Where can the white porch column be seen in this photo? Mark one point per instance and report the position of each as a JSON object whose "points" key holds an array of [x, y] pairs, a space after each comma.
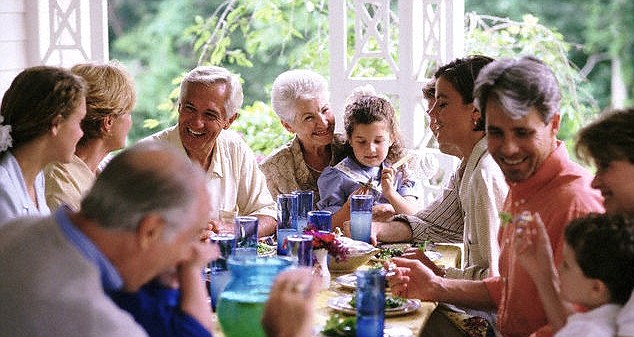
{"points": [[66, 32], [408, 37], [51, 32]]}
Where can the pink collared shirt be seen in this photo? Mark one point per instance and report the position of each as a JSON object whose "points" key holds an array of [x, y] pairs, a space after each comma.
{"points": [[559, 191]]}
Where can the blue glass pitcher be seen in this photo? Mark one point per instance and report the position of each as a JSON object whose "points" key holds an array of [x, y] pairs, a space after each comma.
{"points": [[241, 304]]}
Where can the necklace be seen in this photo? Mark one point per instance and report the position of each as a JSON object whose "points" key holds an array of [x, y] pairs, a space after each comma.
{"points": [[312, 168]]}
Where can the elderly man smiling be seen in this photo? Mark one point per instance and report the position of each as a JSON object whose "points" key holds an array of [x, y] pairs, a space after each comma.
{"points": [[520, 99], [210, 98]]}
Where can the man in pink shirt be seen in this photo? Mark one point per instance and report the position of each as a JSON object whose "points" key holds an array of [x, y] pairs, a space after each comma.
{"points": [[520, 99]]}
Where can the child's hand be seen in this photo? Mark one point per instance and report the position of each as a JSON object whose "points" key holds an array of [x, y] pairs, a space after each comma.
{"points": [[388, 175], [360, 191], [532, 247]]}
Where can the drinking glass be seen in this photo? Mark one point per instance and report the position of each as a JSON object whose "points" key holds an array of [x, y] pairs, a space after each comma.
{"points": [[370, 302], [321, 220], [286, 219], [304, 205], [219, 274], [246, 234], [300, 248], [361, 217]]}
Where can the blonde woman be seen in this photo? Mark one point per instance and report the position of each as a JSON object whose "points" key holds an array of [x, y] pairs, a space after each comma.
{"points": [[109, 101]]}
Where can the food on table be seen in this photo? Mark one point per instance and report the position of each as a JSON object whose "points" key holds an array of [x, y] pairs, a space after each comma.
{"points": [[391, 302], [340, 326], [266, 250]]}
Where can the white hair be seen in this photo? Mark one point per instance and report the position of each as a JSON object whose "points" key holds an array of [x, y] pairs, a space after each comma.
{"points": [[293, 85], [209, 75]]}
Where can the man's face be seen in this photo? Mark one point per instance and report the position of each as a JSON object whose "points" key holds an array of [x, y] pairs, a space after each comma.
{"points": [[519, 146], [181, 246], [202, 115], [616, 185]]}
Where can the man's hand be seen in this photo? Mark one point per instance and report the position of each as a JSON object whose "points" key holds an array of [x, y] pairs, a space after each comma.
{"points": [[412, 279], [220, 227], [289, 310], [419, 254]]}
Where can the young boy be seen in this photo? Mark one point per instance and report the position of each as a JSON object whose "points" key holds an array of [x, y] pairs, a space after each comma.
{"points": [[596, 271]]}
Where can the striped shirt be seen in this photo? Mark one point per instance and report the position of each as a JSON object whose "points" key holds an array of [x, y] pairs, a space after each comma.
{"points": [[442, 220]]}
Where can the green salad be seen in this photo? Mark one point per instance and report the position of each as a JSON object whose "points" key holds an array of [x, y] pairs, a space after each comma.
{"points": [[264, 249], [388, 253], [340, 326], [391, 302]]}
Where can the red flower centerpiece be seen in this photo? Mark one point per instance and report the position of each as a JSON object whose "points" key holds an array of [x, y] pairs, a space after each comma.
{"points": [[328, 241], [324, 244]]}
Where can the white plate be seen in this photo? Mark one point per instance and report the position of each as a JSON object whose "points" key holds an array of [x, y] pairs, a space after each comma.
{"points": [[433, 255], [348, 281], [342, 304]]}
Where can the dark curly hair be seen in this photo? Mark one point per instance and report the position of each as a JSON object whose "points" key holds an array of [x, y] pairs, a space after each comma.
{"points": [[367, 109], [603, 245]]}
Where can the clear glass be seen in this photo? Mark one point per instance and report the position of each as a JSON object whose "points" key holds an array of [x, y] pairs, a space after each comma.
{"points": [[304, 205], [321, 220], [246, 232], [300, 248], [361, 217], [218, 271]]}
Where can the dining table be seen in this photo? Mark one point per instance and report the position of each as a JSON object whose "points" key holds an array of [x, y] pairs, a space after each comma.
{"points": [[407, 324]]}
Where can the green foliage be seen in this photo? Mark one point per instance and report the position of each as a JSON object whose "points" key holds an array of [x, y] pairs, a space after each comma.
{"points": [[609, 30], [261, 128]]}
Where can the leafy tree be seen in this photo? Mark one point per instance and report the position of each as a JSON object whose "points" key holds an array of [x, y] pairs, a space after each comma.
{"points": [[597, 30]]}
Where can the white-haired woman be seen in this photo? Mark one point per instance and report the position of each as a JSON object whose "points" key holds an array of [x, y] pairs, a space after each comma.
{"points": [[300, 99]]}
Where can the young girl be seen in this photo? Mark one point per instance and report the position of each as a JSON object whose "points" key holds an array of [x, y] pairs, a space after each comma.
{"points": [[39, 124], [373, 137]]}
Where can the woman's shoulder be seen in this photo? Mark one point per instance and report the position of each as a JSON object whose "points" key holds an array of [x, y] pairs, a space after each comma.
{"points": [[340, 149], [280, 157]]}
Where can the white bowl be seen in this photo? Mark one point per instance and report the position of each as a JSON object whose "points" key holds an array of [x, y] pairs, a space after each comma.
{"points": [[359, 254]]}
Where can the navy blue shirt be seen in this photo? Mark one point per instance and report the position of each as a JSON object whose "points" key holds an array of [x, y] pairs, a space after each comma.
{"points": [[156, 308]]}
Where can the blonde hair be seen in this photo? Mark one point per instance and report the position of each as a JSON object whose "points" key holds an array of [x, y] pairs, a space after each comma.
{"points": [[111, 92]]}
